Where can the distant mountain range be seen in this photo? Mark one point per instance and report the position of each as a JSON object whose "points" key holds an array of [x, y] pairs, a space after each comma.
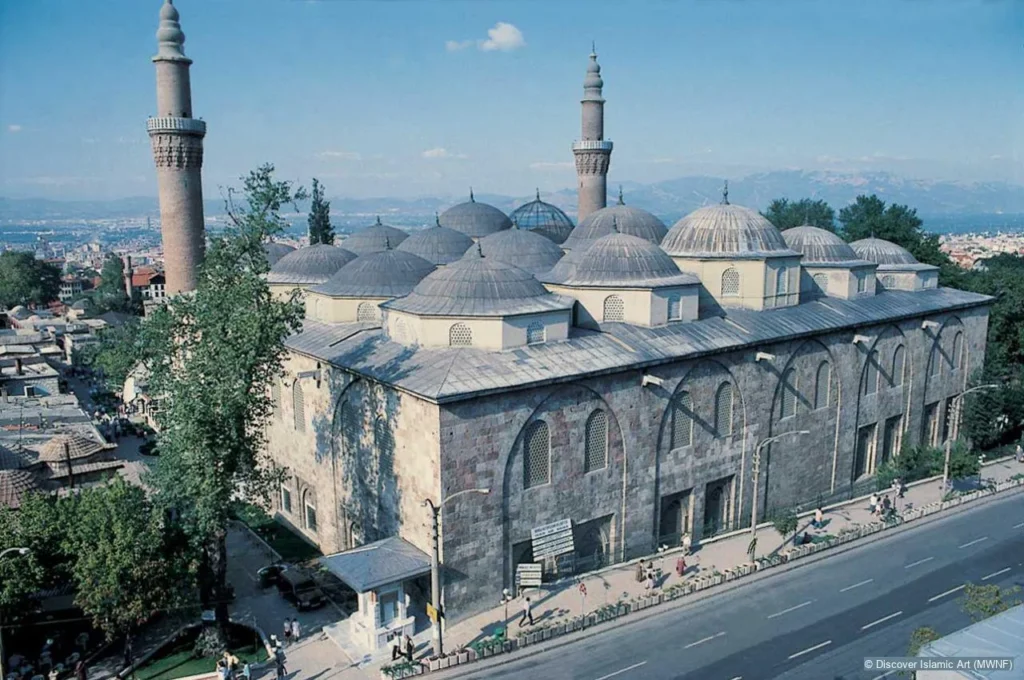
{"points": [[669, 199]]}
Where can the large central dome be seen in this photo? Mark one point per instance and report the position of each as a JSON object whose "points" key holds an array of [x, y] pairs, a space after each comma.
{"points": [[621, 218], [473, 219], [525, 249], [478, 286], [725, 231]]}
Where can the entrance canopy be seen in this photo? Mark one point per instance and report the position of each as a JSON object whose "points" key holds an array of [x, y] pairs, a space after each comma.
{"points": [[377, 564]]}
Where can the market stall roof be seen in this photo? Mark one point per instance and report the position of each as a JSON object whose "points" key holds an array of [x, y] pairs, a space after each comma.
{"points": [[377, 564]]}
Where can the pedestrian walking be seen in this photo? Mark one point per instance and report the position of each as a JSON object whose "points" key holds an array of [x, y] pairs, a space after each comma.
{"points": [[873, 503], [819, 517], [640, 571], [681, 565], [287, 630], [396, 648], [527, 613], [650, 579], [247, 671], [1019, 455], [279, 660], [296, 630], [687, 542], [410, 648]]}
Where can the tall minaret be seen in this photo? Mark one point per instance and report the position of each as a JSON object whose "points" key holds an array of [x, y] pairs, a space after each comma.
{"points": [[177, 140], [593, 153]]}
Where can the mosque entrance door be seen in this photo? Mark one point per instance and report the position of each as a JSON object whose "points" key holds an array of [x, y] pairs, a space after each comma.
{"points": [[717, 500], [593, 541], [865, 444]]}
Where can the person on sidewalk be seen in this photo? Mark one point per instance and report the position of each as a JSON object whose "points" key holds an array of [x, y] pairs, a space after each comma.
{"points": [[886, 506], [396, 648], [287, 630], [873, 507], [410, 648], [247, 671], [1019, 454], [296, 630], [640, 571], [650, 578], [527, 613], [687, 542], [279, 661], [819, 518]]}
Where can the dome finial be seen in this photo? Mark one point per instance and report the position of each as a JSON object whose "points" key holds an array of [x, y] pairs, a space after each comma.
{"points": [[725, 193], [471, 199], [593, 48], [621, 202], [538, 193], [378, 221], [615, 224], [169, 36], [479, 249], [515, 224], [437, 220], [387, 243]]}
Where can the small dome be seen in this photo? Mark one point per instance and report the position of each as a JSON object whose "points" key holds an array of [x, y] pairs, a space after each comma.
{"points": [[14, 485], [543, 218], [374, 239], [387, 274], [623, 260], [275, 251], [310, 265], [622, 218], [473, 219], [437, 245], [882, 252], [819, 245], [524, 249], [81, 305], [724, 230], [58, 448], [478, 285], [12, 459]]}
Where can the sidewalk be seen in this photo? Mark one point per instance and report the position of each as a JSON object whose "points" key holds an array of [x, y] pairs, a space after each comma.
{"points": [[559, 601]]}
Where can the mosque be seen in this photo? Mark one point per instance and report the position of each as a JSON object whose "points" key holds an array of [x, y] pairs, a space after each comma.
{"points": [[615, 378]]}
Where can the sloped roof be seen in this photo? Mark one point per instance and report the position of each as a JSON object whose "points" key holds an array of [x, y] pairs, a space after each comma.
{"points": [[310, 265], [385, 274], [377, 564], [79, 446], [14, 484], [725, 230], [374, 239], [525, 249], [13, 459], [437, 245]]}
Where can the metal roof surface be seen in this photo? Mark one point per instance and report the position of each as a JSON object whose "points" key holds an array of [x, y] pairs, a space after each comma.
{"points": [[374, 239], [522, 248], [437, 245], [387, 273], [621, 260], [1001, 636], [622, 218], [312, 264], [724, 230], [377, 564]]}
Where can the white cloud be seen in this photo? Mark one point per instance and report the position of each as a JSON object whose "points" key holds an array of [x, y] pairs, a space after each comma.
{"points": [[14, 128], [551, 165], [504, 37], [341, 155], [441, 152]]}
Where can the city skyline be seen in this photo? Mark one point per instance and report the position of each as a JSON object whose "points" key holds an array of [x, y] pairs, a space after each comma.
{"points": [[409, 98]]}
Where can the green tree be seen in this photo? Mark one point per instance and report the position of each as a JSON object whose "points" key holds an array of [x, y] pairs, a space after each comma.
{"points": [[981, 602], [963, 462], [116, 354], [785, 214], [213, 354], [129, 563], [786, 522], [24, 280], [320, 229]]}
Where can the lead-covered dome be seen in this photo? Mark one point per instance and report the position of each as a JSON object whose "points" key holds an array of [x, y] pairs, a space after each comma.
{"points": [[387, 274], [622, 261], [310, 265], [374, 239], [473, 219], [478, 285], [621, 218], [275, 251], [544, 219], [63, 446], [724, 230], [437, 245], [883, 252], [819, 245], [525, 249]]}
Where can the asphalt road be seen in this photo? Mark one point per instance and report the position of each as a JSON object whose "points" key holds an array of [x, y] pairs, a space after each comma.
{"points": [[815, 622]]}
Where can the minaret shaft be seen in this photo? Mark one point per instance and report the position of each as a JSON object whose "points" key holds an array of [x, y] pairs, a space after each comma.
{"points": [[593, 153]]}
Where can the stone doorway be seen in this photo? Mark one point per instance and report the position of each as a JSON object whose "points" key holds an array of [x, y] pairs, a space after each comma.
{"points": [[717, 507], [593, 541], [676, 518], [865, 451]]}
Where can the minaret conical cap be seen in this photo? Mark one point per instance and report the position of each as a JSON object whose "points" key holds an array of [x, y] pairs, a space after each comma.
{"points": [[170, 38]]}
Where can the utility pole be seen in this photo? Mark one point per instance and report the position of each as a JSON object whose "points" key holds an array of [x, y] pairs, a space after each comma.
{"points": [[757, 476], [954, 433]]}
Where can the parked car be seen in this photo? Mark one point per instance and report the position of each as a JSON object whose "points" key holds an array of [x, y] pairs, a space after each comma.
{"points": [[269, 575], [298, 587]]}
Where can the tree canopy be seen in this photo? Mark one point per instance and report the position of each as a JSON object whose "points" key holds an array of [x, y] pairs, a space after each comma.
{"points": [[786, 214], [112, 294], [25, 280], [320, 229]]}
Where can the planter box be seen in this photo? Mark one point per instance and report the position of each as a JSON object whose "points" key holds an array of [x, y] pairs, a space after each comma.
{"points": [[446, 662], [508, 646], [462, 657], [435, 664]]}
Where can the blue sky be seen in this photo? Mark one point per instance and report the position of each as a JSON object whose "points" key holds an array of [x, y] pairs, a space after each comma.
{"points": [[357, 92]]}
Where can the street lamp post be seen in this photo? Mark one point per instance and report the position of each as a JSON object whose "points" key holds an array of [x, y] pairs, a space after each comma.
{"points": [[757, 473], [435, 564], [954, 433], [3, 657]]}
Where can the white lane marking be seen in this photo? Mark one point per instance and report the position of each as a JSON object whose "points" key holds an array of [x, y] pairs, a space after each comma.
{"points": [[623, 670], [914, 564], [791, 609], [1001, 571], [857, 585], [1018, 526], [738, 677], [948, 592], [700, 642], [826, 643], [974, 542], [881, 620], [885, 675]]}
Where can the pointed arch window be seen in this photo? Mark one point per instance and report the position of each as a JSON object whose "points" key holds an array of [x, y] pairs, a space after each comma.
{"points": [[682, 420], [871, 373], [899, 361], [460, 335], [730, 282], [935, 361], [787, 406], [723, 410], [958, 352], [275, 397], [298, 407], [821, 283], [309, 510], [823, 386], [536, 455], [596, 454], [614, 308], [781, 281], [675, 307]]}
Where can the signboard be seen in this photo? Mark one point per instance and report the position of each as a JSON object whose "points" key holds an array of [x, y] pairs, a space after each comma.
{"points": [[528, 575], [553, 539]]}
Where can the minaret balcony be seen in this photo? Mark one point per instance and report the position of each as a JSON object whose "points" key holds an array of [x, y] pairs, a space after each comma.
{"points": [[592, 145], [175, 124]]}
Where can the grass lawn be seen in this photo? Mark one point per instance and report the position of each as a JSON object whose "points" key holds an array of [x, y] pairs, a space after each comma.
{"points": [[286, 542], [180, 663]]}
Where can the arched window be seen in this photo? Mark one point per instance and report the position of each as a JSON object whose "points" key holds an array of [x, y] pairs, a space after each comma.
{"points": [[730, 282], [385, 444], [286, 496], [614, 308], [862, 283], [596, 456], [366, 312], [888, 281], [309, 510], [349, 431], [536, 455], [275, 397], [535, 333], [317, 311], [723, 410], [787, 406], [459, 335], [899, 360], [871, 374], [781, 281], [675, 307], [682, 420], [401, 334], [298, 407], [958, 352], [821, 283], [823, 386], [934, 361]]}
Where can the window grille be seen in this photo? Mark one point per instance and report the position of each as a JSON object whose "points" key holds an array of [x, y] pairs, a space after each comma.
{"points": [[730, 282], [366, 312], [682, 420], [958, 351], [862, 283], [597, 441], [888, 281], [898, 365], [536, 455], [823, 386], [298, 407], [286, 499], [781, 281], [275, 397], [675, 307], [614, 308], [385, 444], [871, 374], [723, 410], [788, 405], [459, 335], [401, 335], [535, 333], [821, 281]]}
